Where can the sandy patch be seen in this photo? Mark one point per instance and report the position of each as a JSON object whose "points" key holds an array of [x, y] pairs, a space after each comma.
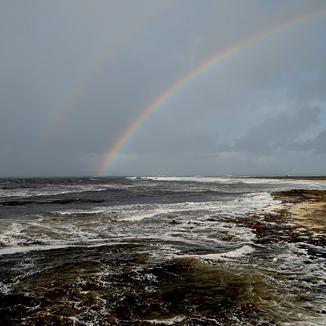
{"points": [[311, 215], [307, 207]]}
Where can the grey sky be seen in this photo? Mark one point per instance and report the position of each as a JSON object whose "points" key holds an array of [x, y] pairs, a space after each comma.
{"points": [[75, 74]]}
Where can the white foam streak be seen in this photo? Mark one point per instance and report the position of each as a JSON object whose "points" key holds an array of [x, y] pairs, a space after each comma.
{"points": [[307, 184], [168, 321], [21, 249], [244, 250]]}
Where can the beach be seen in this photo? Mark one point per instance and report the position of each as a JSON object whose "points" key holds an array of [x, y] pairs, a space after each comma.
{"points": [[308, 209]]}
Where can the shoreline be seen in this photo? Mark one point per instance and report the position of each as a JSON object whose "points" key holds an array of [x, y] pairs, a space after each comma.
{"points": [[306, 208]]}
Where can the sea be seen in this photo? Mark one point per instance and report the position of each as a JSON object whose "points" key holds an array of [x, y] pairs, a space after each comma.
{"points": [[157, 251]]}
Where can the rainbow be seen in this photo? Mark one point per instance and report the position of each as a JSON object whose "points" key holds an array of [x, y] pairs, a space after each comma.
{"points": [[200, 69], [74, 93]]}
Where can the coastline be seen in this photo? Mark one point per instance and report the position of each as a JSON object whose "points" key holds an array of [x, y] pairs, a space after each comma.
{"points": [[306, 208], [303, 209]]}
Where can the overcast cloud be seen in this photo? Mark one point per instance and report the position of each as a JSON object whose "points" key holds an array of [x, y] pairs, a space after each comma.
{"points": [[75, 74]]}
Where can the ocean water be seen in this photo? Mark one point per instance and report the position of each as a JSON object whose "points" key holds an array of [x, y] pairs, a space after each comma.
{"points": [[156, 251]]}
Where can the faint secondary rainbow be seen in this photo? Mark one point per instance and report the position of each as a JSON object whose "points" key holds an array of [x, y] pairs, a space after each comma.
{"points": [[88, 75], [201, 68]]}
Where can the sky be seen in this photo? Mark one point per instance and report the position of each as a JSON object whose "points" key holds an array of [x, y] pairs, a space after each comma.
{"points": [[162, 87]]}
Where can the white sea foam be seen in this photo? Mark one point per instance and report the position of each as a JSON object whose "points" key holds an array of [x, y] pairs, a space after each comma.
{"points": [[167, 321], [236, 253], [307, 184], [137, 212], [190, 221], [22, 249]]}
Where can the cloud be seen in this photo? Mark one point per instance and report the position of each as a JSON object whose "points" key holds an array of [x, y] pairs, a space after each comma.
{"points": [[317, 145], [278, 133], [75, 75]]}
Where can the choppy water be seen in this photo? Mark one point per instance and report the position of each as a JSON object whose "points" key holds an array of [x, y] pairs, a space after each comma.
{"points": [[156, 251]]}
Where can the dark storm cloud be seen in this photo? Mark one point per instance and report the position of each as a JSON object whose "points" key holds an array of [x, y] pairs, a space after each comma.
{"points": [[316, 145], [279, 132]]}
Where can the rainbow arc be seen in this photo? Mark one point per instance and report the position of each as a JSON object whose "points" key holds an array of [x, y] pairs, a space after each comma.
{"points": [[114, 150]]}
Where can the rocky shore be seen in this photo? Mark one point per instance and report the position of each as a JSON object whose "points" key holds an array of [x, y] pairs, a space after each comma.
{"points": [[300, 218]]}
